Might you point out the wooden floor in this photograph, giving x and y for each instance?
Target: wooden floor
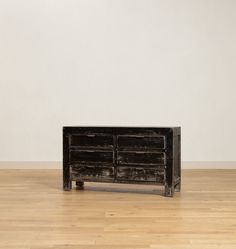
(35, 213)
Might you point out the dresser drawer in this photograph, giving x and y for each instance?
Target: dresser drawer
(92, 140)
(140, 158)
(91, 172)
(91, 157)
(141, 142)
(140, 174)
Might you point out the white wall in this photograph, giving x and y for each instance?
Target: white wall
(123, 62)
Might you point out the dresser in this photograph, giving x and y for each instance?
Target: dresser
(135, 155)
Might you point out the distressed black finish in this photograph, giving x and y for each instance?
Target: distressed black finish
(139, 155)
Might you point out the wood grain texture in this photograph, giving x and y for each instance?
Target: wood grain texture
(36, 213)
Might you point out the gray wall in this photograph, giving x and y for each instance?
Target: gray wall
(123, 62)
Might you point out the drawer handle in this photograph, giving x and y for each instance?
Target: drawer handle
(90, 135)
(139, 152)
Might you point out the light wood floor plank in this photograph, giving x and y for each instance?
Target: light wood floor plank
(35, 213)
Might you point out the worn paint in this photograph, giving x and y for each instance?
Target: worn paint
(137, 155)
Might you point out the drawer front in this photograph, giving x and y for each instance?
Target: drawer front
(140, 158)
(91, 157)
(92, 140)
(141, 142)
(140, 174)
(92, 173)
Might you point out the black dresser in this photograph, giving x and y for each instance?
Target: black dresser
(137, 155)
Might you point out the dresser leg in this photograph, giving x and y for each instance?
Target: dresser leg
(169, 191)
(79, 185)
(67, 185)
(178, 187)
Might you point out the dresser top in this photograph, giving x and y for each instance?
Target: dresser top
(125, 127)
(122, 129)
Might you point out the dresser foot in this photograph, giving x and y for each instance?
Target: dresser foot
(169, 191)
(177, 187)
(67, 186)
(79, 185)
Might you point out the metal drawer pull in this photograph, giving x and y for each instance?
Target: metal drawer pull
(90, 135)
